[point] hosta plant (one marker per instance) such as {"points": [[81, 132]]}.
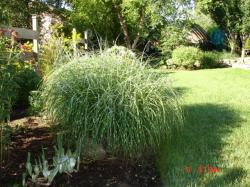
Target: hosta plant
{"points": [[43, 173]]}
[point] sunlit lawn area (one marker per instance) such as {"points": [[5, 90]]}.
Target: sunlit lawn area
{"points": [[216, 130]]}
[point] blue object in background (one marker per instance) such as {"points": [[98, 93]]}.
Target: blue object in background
{"points": [[218, 38]]}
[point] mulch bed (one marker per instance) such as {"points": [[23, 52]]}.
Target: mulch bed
{"points": [[106, 172]]}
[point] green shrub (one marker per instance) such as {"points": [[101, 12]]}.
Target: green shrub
{"points": [[8, 92], [17, 76], [35, 102], [27, 80], [187, 57], [194, 58], [123, 106], [8, 87], [210, 60]]}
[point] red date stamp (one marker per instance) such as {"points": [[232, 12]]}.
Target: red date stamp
{"points": [[200, 169]]}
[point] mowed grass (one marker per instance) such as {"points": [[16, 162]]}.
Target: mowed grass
{"points": [[216, 132]]}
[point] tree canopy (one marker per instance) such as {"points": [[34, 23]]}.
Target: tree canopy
{"points": [[132, 19], [18, 13], [233, 16]]}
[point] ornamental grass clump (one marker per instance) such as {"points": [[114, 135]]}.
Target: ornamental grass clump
{"points": [[125, 107]]}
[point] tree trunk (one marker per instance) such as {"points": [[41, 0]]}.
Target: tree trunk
{"points": [[123, 24], [243, 54], [243, 38], [233, 42], [141, 24]]}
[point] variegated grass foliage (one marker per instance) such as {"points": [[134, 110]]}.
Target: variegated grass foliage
{"points": [[120, 104]]}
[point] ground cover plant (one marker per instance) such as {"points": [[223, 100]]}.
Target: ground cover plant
{"points": [[216, 130], [117, 103]]}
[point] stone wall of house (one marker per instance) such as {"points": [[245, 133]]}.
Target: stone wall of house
{"points": [[46, 28]]}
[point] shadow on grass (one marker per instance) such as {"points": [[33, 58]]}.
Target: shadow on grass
{"points": [[199, 143], [164, 72], [230, 176], [179, 91]]}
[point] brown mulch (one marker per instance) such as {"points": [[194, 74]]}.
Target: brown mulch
{"points": [[30, 138], [100, 173]]}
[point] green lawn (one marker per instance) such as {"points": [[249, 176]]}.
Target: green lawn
{"points": [[216, 129]]}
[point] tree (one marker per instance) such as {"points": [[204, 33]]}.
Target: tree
{"points": [[96, 15], [18, 13], [245, 25], [225, 14], [173, 36], [232, 16], [15, 13], [133, 19]]}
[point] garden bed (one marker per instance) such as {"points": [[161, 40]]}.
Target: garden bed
{"points": [[33, 134]]}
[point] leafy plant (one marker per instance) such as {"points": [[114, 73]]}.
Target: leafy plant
{"points": [[8, 88], [172, 37], [126, 107], [28, 80], [35, 102], [194, 58], [187, 57], [17, 79], [210, 60], [63, 162]]}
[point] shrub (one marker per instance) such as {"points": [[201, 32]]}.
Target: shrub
{"points": [[123, 106], [27, 80], [210, 60], [194, 58], [8, 87], [8, 91], [187, 57], [35, 103]]}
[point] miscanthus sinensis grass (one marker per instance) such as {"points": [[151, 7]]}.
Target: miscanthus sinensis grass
{"points": [[114, 102]]}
